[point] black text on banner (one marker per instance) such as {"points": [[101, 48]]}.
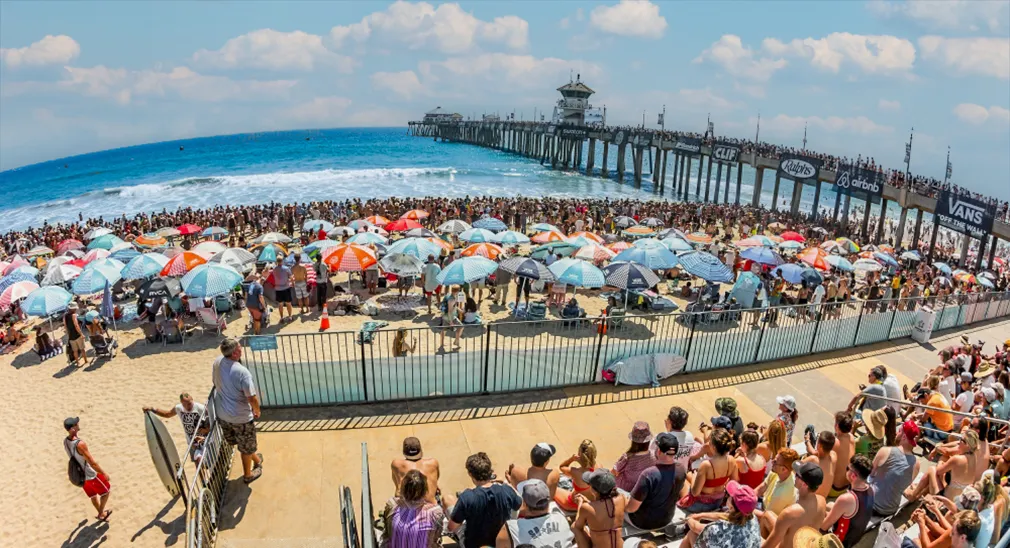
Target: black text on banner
{"points": [[799, 168]]}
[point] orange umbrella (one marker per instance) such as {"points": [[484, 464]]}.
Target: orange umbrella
{"points": [[150, 240], [483, 249], [377, 220], [182, 263], [548, 236], [349, 257], [618, 247], [699, 238], [815, 257], [587, 235], [415, 214], [440, 243], [640, 230]]}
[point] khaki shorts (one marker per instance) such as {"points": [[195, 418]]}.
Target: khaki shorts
{"points": [[242, 436], [77, 347]]}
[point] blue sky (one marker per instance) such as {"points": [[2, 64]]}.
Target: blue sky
{"points": [[83, 76]]}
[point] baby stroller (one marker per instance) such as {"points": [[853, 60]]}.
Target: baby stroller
{"points": [[104, 345]]}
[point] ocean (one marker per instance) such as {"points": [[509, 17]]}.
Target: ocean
{"points": [[307, 165]]}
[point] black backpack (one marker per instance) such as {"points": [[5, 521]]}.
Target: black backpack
{"points": [[75, 472]]}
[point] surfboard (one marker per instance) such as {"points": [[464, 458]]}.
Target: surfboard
{"points": [[163, 452]]}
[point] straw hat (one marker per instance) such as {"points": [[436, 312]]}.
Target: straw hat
{"points": [[985, 370], [808, 537], [875, 423]]}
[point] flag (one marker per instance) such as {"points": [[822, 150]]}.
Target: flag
{"points": [[660, 122], [950, 169], [908, 152]]}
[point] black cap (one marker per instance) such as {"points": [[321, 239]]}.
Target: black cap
{"points": [[667, 443], [601, 480], [722, 422], [412, 448], [541, 453], [810, 473], [70, 422]]}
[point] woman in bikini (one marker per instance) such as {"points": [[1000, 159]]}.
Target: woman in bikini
{"points": [[598, 522], [585, 459], [751, 465], [708, 490], [775, 440]]}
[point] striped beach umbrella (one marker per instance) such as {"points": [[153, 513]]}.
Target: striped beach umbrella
{"points": [[544, 227], [377, 220], [167, 232], [61, 274], [93, 280], [526, 267], [38, 251], [420, 233], [272, 238], [582, 241], [97, 232], [125, 254], [340, 231], [104, 242], [594, 252], [401, 264], [454, 226], [26, 269], [627, 275], [548, 236], [46, 301], [318, 245], [95, 255], [188, 229], [577, 272], [646, 243], [699, 238], [705, 266], [313, 225], [214, 232], [15, 277], [358, 224], [477, 235], [510, 237], [69, 244], [150, 240], [466, 270], [144, 266], [349, 258], [402, 225], [815, 257], [677, 244], [624, 221], [415, 214], [16, 292], [235, 257], [832, 246], [209, 248], [111, 266], [365, 238], [420, 248], [182, 263], [15, 262], [618, 247], [656, 258], [639, 230], [587, 235], [671, 233], [762, 255], [210, 280], [483, 249], [490, 223]]}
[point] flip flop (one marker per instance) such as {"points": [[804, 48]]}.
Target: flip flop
{"points": [[256, 473], [106, 518]]}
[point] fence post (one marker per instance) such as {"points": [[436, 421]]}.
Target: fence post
{"points": [[894, 312], [820, 314], [364, 370], [859, 321], [690, 338], [487, 355], [600, 331], [764, 324], [939, 319]]}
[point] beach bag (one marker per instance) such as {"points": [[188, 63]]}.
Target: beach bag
{"points": [[75, 472], [887, 536]]}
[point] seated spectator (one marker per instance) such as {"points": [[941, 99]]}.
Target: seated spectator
{"points": [[599, 519], [750, 465], [824, 456], [484, 508], [410, 518], [961, 466], [708, 489], [654, 498], [726, 407], [676, 422], [936, 424], [586, 460], [960, 532], [864, 401], [774, 440], [414, 459], [736, 528], [778, 490], [808, 510], [636, 459], [849, 515], [876, 423], [965, 398], [543, 525], [894, 469], [540, 457], [845, 447]]}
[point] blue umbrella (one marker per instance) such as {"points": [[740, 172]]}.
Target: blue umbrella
{"points": [[510, 237], [646, 243], [811, 276], [676, 244], [745, 289], [911, 256], [210, 280], [705, 266], [315, 224], [358, 224], [885, 258], [577, 272], [791, 244], [477, 235], [656, 258], [25, 269], [46, 301], [943, 267], [762, 255], [14, 277], [125, 255], [981, 280], [415, 247], [365, 238], [560, 248], [490, 223], [111, 267], [671, 233], [93, 280], [91, 315], [320, 245], [839, 262], [627, 275], [789, 272], [144, 266], [544, 227], [105, 242], [214, 231], [465, 270], [269, 254], [302, 258]]}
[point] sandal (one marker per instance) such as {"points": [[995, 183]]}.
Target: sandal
{"points": [[256, 473], [106, 518]]}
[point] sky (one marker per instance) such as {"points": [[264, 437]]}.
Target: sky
{"points": [[78, 77]]}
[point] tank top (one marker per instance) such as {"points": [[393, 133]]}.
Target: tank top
{"points": [[71, 448], [890, 480], [850, 529], [73, 331], [753, 478]]}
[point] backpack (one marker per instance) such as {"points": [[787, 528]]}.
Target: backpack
{"points": [[75, 472]]}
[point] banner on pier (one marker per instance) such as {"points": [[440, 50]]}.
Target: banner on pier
{"points": [[864, 184], [726, 153], [799, 168], [538, 129], [964, 214], [594, 116], [551, 129], [688, 145], [573, 132]]}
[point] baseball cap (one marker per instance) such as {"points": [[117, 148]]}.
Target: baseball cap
{"points": [[667, 443], [970, 438], [535, 494], [412, 448], [810, 473], [722, 422], [788, 401], [744, 498], [967, 377], [910, 430], [989, 394], [726, 407], [601, 480], [541, 453], [70, 422]]}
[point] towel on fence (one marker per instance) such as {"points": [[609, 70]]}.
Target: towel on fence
{"points": [[645, 370], [368, 329]]}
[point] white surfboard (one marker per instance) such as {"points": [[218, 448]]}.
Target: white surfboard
{"points": [[163, 452]]}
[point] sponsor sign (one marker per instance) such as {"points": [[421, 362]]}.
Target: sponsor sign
{"points": [[729, 154], [263, 342], [688, 145], [964, 214], [619, 138], [594, 116], [573, 132], [538, 129], [861, 183], [799, 168], [551, 129]]}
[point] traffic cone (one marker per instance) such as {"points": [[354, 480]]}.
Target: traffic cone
{"points": [[324, 322]]}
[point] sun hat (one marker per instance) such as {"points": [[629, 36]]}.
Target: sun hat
{"points": [[640, 433], [875, 422], [744, 498], [985, 370], [788, 401], [726, 407], [808, 537]]}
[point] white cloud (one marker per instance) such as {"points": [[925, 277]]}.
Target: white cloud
{"points": [[122, 85], [506, 72], [629, 18], [51, 50], [871, 53], [985, 56], [274, 50], [705, 98], [404, 84], [965, 15], [860, 125], [977, 114], [884, 104], [319, 109], [446, 28], [742, 62]]}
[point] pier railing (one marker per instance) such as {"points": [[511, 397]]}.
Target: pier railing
{"points": [[344, 367]]}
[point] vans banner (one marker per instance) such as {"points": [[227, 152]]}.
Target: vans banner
{"points": [[964, 214]]}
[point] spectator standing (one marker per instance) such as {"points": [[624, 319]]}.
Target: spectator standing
{"points": [[238, 406], [96, 481], [75, 336], [190, 413], [256, 304], [282, 288]]}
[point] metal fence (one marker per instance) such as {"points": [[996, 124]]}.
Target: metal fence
{"points": [[345, 367], [205, 493]]}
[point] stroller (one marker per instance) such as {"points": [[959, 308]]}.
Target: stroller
{"points": [[104, 345]]}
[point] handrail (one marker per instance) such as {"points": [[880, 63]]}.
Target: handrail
{"points": [[933, 408], [367, 514]]}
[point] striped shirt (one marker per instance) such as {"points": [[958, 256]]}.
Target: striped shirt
{"points": [[413, 526]]}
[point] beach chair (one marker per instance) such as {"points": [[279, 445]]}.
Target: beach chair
{"points": [[210, 320], [222, 304], [616, 318], [173, 335], [537, 312], [150, 330]]}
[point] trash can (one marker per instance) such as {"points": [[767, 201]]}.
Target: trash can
{"points": [[923, 327]]}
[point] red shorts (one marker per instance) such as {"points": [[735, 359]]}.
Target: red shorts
{"points": [[98, 486]]}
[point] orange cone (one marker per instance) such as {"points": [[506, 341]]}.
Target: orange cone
{"points": [[324, 322]]}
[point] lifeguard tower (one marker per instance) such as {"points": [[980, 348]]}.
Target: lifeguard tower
{"points": [[573, 108]]}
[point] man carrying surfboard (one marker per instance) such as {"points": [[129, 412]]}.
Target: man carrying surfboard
{"points": [[238, 405], [189, 413], [96, 481]]}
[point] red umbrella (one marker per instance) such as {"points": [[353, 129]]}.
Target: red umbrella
{"points": [[794, 236], [68, 244], [402, 225], [188, 229], [815, 257]]}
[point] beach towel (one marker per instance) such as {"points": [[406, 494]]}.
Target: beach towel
{"points": [[368, 329]]}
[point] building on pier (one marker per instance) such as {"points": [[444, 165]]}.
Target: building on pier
{"points": [[439, 114], [573, 107]]}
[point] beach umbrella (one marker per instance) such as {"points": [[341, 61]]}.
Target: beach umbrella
{"points": [[349, 258], [811, 277], [776, 226], [755, 241], [377, 230], [699, 238], [814, 256], [125, 255], [984, 282], [850, 246], [96, 254], [268, 253], [164, 288], [38, 251], [671, 233], [46, 301], [69, 244], [61, 274], [419, 248], [320, 245], [97, 232], [188, 229], [705, 266], [402, 225], [943, 280], [577, 272], [415, 214], [182, 263], [639, 230], [911, 256], [313, 225], [867, 265], [553, 248], [168, 232], [587, 235], [483, 249], [832, 246], [762, 255], [79, 263], [477, 235], [236, 257], [466, 270], [15, 292], [651, 222], [626, 275], [885, 258], [442, 244], [510, 237], [401, 264], [420, 233], [623, 221], [943, 267], [745, 289], [454, 226], [377, 220], [359, 224], [526, 267], [963, 277], [26, 269], [150, 240], [93, 280], [582, 241], [544, 227], [549, 236], [209, 248], [272, 237], [56, 261], [646, 243], [365, 238], [490, 223], [595, 253], [210, 280], [656, 258], [794, 236], [144, 266], [15, 277], [870, 248], [987, 274], [790, 245], [339, 231], [839, 262], [677, 244], [104, 242], [618, 247], [214, 232], [111, 266], [790, 272], [303, 258]]}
